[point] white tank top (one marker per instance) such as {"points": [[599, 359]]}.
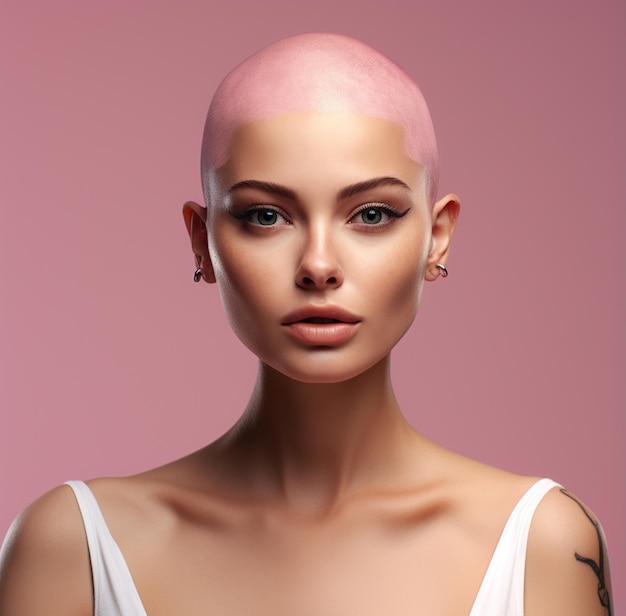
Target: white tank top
{"points": [[501, 591]]}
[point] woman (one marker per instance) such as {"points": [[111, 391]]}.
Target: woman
{"points": [[320, 175]]}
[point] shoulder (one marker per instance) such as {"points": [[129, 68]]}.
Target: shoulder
{"points": [[44, 549], [566, 564], [481, 494]]}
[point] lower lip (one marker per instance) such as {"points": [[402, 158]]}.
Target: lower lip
{"points": [[322, 334]]}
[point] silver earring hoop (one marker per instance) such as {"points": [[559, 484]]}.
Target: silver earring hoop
{"points": [[197, 275], [443, 269]]}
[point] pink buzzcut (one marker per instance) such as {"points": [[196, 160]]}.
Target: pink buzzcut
{"points": [[322, 73]]}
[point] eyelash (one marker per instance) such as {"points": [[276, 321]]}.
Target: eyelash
{"points": [[249, 213], [379, 207]]}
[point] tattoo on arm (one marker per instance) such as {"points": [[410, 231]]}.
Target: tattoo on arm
{"points": [[598, 568]]}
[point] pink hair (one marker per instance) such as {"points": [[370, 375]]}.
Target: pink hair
{"points": [[321, 73]]}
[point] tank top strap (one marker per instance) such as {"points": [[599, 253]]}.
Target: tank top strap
{"points": [[502, 588], [115, 593]]}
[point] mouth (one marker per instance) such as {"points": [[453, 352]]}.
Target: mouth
{"points": [[319, 320], [321, 315], [321, 326]]}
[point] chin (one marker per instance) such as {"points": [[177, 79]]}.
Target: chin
{"points": [[326, 370]]}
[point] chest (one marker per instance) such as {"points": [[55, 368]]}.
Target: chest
{"points": [[332, 570]]}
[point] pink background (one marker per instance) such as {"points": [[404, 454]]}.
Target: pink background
{"points": [[113, 361]]}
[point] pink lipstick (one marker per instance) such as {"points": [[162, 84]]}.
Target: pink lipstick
{"points": [[321, 325]]}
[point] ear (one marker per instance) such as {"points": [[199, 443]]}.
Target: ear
{"points": [[444, 216], [195, 221]]}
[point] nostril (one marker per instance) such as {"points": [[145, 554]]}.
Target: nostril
{"points": [[308, 281]]}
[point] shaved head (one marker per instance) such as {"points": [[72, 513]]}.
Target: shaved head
{"points": [[325, 73]]}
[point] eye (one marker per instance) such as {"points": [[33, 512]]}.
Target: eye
{"points": [[374, 215], [264, 217]]}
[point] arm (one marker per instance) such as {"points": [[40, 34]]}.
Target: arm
{"points": [[44, 561], [567, 570]]}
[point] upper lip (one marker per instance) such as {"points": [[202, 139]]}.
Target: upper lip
{"points": [[320, 312]]}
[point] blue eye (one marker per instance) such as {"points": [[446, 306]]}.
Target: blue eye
{"points": [[264, 217], [376, 215], [373, 216]]}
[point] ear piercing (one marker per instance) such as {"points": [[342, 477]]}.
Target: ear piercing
{"points": [[197, 275]]}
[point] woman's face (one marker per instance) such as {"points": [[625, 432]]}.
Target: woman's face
{"points": [[318, 237]]}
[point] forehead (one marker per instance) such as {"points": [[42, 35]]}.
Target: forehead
{"points": [[314, 151]]}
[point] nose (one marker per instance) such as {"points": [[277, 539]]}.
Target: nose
{"points": [[319, 266]]}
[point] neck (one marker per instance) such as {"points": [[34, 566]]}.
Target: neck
{"points": [[312, 444]]}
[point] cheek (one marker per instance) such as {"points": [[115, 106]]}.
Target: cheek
{"points": [[396, 281], [401, 288], [254, 276], [247, 286], [399, 262]]}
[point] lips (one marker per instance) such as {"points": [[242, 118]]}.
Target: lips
{"points": [[320, 314], [321, 325]]}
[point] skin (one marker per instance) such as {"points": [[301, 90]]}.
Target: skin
{"points": [[322, 499], [320, 241]]}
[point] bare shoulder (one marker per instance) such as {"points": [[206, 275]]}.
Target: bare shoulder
{"points": [[44, 561], [567, 569], [478, 488]]}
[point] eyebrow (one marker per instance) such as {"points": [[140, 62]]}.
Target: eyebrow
{"points": [[344, 193], [269, 187], [354, 189]]}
